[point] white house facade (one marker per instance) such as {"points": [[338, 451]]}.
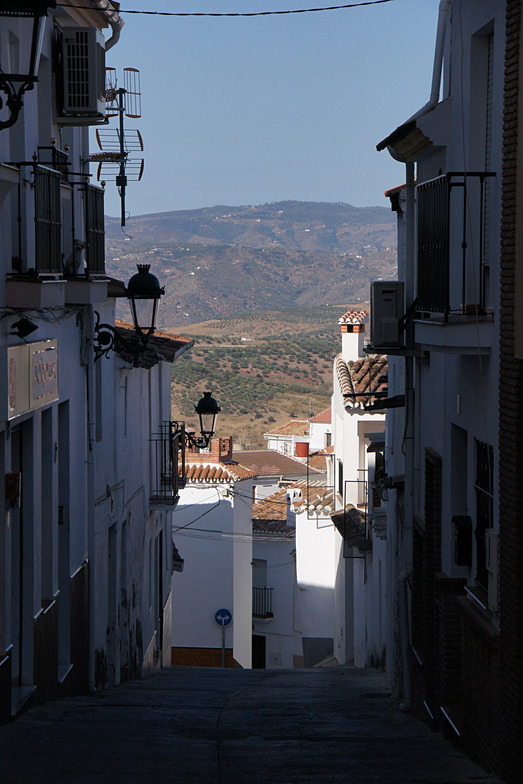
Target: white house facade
{"points": [[85, 536]]}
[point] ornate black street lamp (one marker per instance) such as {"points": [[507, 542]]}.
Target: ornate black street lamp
{"points": [[143, 292], [207, 409], [31, 21]]}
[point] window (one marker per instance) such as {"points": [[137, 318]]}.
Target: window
{"points": [[484, 491], [48, 222], [94, 230]]}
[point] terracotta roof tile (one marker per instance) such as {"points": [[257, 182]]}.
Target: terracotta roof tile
{"points": [[160, 346], [354, 317], [317, 460], [323, 416], [350, 522], [362, 377], [317, 498], [217, 473], [298, 427], [270, 462], [273, 508]]}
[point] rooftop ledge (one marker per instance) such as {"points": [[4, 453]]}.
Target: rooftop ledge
{"points": [[460, 334]]}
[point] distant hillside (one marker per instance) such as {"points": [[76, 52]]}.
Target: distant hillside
{"points": [[225, 260], [263, 369]]}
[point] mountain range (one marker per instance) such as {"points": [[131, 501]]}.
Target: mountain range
{"points": [[223, 260]]}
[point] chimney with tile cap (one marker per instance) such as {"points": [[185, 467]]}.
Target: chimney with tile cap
{"points": [[352, 334]]}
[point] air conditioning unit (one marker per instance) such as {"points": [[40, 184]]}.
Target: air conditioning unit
{"points": [[386, 310], [83, 76]]}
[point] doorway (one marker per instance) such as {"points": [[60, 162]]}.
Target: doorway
{"points": [[258, 651]]}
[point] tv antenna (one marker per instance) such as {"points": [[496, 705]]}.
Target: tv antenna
{"points": [[116, 144]]}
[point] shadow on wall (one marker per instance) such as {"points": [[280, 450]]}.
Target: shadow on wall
{"points": [[316, 649]]}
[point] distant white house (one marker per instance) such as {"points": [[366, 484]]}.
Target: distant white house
{"points": [[360, 385], [213, 532]]}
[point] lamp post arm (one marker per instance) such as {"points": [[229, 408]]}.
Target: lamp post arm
{"points": [[107, 338], [14, 100]]}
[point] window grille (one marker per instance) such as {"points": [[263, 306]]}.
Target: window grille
{"points": [[168, 464], [262, 602], [48, 223], [451, 235], [433, 245], [94, 230]]}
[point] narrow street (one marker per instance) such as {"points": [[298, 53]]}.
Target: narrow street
{"points": [[205, 726]]}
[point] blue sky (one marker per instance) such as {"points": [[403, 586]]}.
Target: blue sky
{"points": [[260, 109]]}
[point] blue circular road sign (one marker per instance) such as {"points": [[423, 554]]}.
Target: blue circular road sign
{"points": [[223, 617]]}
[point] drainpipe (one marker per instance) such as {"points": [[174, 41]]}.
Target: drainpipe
{"points": [[114, 19], [444, 8], [405, 638]]}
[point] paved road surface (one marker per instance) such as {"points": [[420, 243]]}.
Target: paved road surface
{"points": [[205, 726]]}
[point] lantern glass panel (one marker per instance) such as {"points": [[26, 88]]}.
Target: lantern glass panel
{"points": [[144, 313]]}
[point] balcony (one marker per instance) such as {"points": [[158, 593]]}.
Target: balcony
{"points": [[262, 603], [453, 238], [168, 465]]}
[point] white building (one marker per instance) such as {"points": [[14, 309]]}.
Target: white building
{"points": [[450, 647], [213, 530], [85, 544], [276, 635], [358, 424]]}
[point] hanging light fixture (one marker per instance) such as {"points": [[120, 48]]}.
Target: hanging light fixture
{"points": [[207, 409], [30, 16], [143, 292]]}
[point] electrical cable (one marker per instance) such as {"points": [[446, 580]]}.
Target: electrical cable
{"points": [[243, 13]]}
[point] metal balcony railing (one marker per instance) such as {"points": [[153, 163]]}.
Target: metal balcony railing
{"points": [[94, 230], [168, 464], [48, 221], [262, 603], [453, 219]]}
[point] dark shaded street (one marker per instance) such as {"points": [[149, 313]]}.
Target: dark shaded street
{"points": [[205, 726]]}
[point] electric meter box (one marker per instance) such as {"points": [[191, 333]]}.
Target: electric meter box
{"points": [[386, 311]]}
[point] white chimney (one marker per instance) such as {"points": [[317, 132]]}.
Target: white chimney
{"points": [[352, 334]]}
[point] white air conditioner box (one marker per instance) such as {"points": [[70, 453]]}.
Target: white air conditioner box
{"points": [[386, 310], [83, 73]]}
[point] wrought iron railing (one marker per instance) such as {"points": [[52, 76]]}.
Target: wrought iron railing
{"points": [[48, 221], [94, 230], [168, 464], [56, 159], [262, 603], [452, 213]]}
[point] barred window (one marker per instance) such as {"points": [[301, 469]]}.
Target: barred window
{"points": [[48, 221]]}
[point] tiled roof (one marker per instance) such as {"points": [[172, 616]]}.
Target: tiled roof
{"points": [[211, 473], [323, 416], [270, 462], [273, 527], [298, 427], [361, 377], [271, 509], [160, 346], [317, 498], [353, 317], [317, 460], [350, 522]]}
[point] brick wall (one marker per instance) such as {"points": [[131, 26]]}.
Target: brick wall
{"points": [[510, 695]]}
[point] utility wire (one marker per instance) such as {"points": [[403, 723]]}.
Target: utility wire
{"points": [[243, 13]]}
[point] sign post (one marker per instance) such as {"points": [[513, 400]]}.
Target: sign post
{"points": [[223, 618]]}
